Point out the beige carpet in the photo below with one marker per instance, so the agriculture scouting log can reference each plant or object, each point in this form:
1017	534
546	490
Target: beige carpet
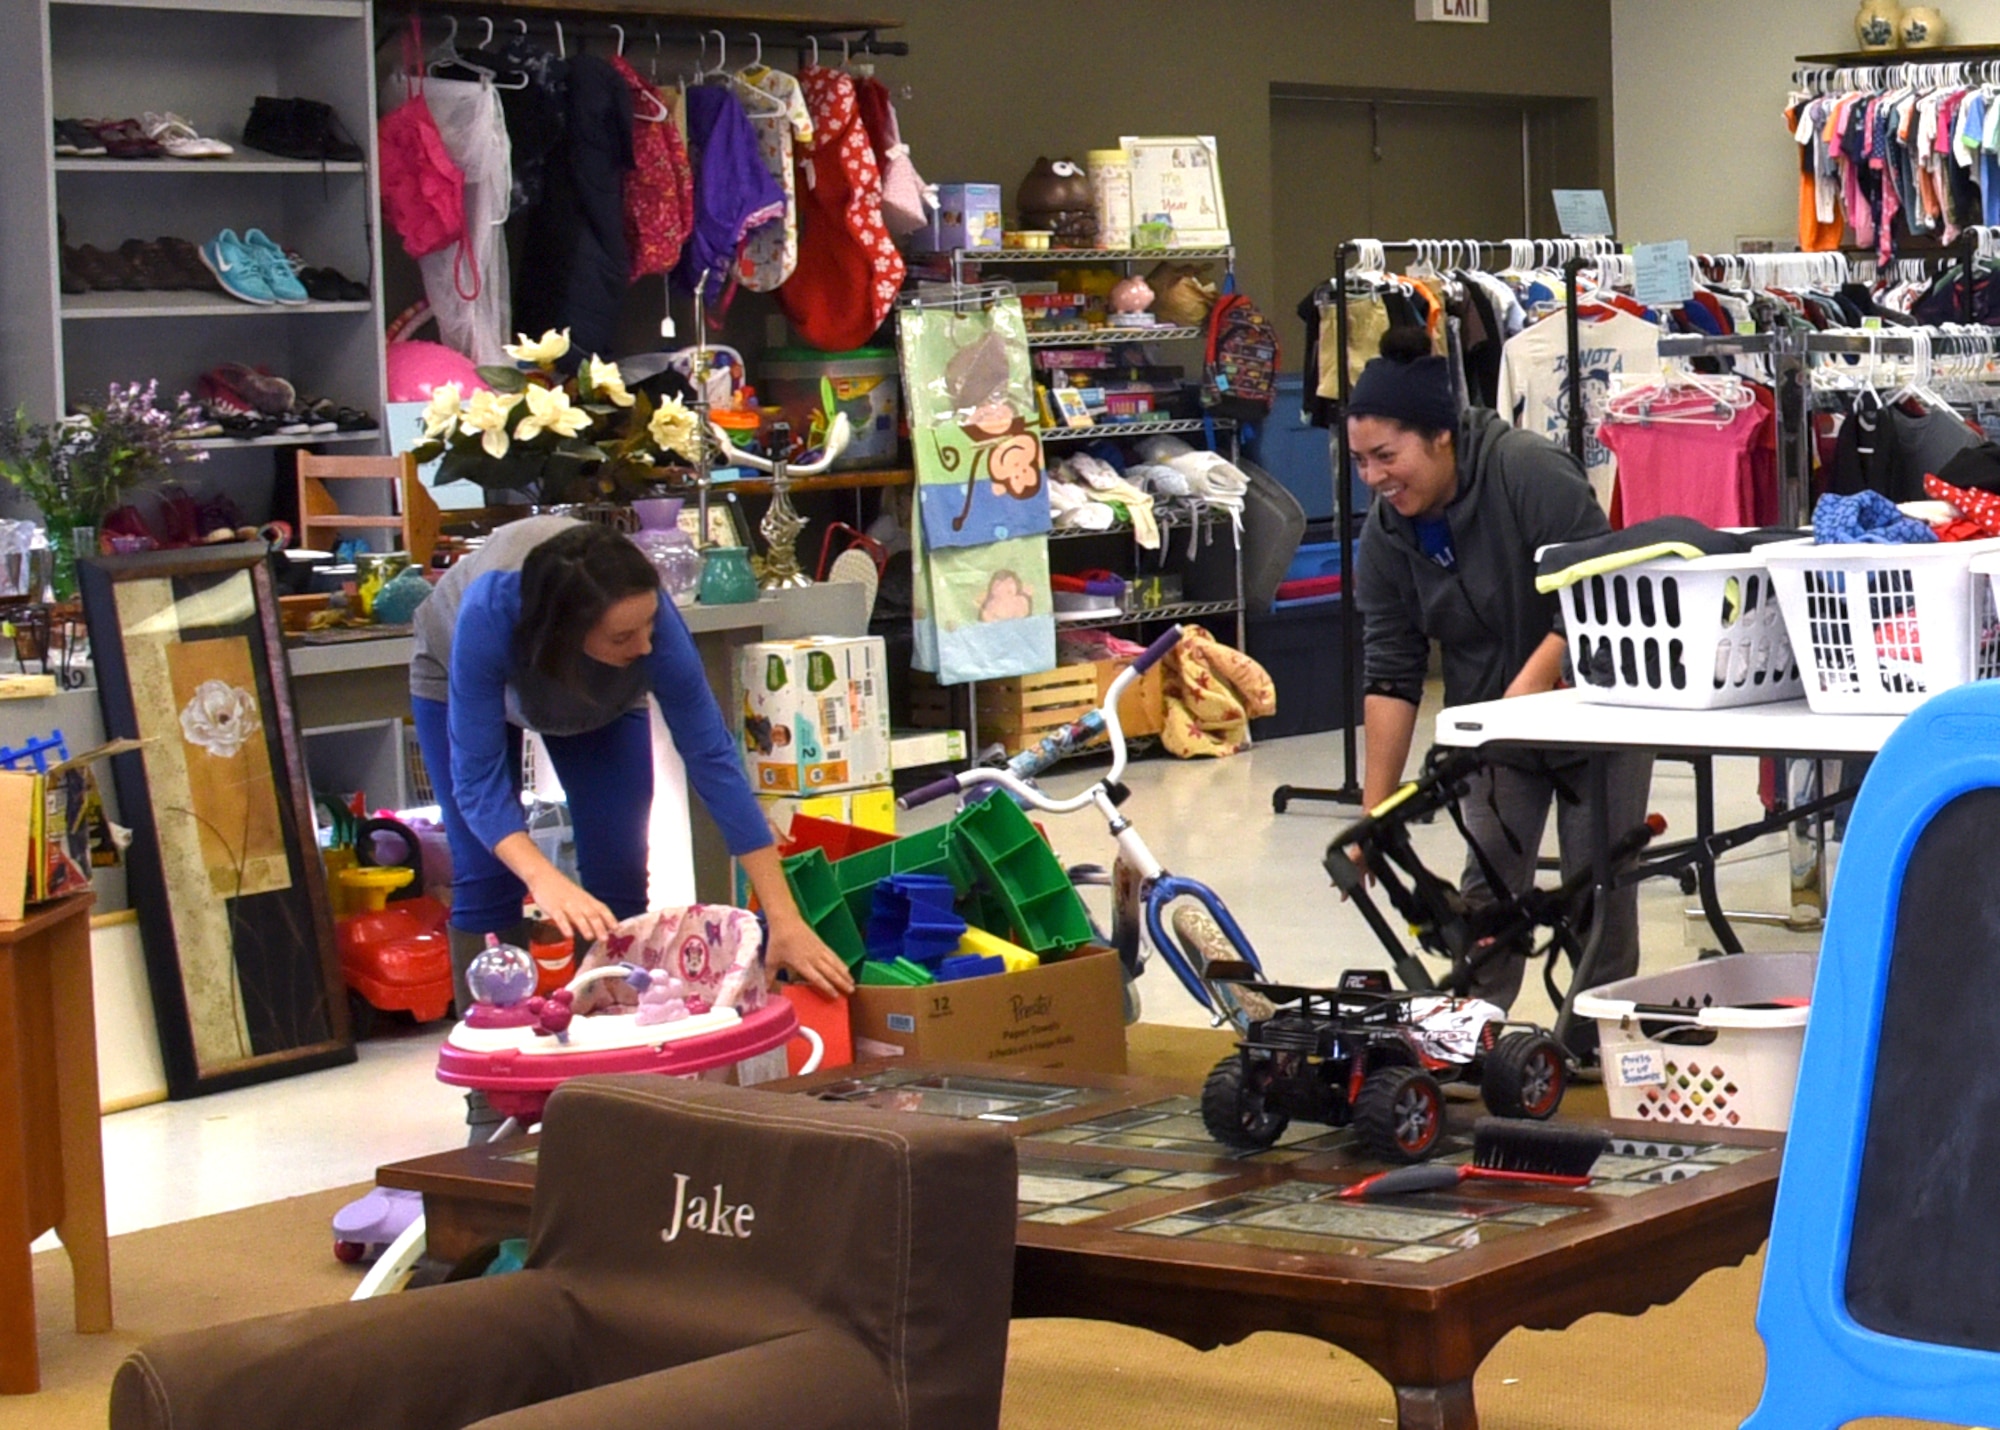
1694	1365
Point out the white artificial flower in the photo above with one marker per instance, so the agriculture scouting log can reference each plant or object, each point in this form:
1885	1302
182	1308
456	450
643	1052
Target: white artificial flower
550	410
673	429
546	351
442	414
608	382
220	718
487	414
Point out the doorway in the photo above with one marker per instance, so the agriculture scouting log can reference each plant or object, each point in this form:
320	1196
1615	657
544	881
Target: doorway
1349	165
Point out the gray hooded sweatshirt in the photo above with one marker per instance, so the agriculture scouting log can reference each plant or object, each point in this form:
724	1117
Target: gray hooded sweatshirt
1517	492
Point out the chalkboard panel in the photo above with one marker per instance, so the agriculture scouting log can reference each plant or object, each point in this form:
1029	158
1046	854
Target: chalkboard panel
1924	1261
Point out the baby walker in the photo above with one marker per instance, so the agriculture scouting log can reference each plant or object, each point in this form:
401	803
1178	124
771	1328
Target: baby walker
698	1004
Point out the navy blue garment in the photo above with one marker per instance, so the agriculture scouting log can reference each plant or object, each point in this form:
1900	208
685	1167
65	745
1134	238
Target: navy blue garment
607	777
575	266
1434	539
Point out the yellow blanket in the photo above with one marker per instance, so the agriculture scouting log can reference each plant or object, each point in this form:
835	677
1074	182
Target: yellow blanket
1213	693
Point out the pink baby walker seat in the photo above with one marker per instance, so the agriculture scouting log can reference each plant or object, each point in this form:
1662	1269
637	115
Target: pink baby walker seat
699	976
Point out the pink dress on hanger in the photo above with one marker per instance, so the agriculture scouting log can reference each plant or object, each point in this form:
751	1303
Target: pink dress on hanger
840	138
659	189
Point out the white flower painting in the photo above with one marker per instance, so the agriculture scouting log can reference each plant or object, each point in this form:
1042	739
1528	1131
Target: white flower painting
220	718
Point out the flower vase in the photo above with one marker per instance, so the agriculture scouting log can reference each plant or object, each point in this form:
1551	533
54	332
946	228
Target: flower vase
726	577
669	548
67	546
1875	24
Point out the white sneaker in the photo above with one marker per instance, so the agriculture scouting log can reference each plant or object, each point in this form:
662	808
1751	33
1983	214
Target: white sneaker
178	137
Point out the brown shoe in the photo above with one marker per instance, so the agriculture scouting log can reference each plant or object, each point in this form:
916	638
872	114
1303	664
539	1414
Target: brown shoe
149	268
100	270
185	260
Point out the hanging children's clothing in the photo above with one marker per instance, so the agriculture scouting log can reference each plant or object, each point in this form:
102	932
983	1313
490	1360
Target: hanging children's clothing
733	192
470	294
772	251
1682	458
848	273
1534	390
575	261
659	192
905	200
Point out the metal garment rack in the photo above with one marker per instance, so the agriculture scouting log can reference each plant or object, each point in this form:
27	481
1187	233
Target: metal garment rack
1349	792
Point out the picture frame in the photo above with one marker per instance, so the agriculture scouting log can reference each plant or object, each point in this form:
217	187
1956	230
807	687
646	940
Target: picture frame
726	523
223	870
1178	176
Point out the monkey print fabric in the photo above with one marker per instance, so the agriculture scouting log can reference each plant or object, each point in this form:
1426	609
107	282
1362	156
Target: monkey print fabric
982	605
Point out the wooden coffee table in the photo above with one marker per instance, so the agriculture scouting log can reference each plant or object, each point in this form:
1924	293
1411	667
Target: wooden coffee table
1130	1214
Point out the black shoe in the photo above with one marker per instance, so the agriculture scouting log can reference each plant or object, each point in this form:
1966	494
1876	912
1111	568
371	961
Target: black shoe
299	129
330	285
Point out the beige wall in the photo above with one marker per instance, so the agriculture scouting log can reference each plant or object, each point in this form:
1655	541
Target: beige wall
995	84
1702	151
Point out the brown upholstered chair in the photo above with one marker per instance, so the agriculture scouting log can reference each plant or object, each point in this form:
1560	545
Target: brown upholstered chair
700	1256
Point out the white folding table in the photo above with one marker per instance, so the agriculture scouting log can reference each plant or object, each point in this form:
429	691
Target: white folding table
1564	720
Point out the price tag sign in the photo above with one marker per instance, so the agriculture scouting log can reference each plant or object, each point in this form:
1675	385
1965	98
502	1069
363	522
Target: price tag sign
1582	213
1661	277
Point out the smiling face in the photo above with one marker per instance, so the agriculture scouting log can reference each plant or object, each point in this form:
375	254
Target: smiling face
625	631
1416	475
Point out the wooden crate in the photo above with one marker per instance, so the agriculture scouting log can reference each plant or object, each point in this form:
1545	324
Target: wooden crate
1015	712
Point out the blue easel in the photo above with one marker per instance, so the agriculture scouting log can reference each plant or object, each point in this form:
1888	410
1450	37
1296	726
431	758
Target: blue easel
1825	1366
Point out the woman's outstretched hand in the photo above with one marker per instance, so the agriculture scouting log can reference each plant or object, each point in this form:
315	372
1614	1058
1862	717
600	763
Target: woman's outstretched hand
570	907
792	945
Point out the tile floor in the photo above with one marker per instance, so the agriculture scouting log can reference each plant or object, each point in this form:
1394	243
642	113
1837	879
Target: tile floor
1210	819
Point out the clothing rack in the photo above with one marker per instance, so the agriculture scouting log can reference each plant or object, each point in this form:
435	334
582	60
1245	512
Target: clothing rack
609	20
1574	255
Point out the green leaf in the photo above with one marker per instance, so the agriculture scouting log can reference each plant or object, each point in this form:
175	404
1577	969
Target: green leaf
503	379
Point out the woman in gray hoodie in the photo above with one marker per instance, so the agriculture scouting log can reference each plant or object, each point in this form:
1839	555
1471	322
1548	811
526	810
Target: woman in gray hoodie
1463	502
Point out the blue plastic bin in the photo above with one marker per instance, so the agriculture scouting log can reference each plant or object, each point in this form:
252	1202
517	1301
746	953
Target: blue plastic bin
1299	455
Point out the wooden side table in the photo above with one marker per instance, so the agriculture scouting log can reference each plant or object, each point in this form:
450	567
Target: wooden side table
51	1155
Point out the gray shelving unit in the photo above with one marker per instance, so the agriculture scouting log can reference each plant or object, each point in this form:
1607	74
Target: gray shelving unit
206	60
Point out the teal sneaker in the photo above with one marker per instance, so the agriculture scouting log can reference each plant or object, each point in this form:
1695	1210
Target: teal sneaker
238	268
275	267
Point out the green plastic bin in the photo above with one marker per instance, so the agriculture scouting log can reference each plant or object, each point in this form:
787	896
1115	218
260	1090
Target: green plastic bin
817	893
1019	871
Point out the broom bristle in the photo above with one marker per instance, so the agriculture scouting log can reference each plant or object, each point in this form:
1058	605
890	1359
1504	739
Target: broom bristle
1509	1144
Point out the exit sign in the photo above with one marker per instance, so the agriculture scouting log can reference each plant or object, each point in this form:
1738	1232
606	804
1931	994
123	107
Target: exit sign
1461	12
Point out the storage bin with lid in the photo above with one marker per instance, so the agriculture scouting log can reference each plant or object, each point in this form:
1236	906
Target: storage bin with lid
810	386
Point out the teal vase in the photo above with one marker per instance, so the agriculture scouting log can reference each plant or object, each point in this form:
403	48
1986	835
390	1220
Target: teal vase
726	577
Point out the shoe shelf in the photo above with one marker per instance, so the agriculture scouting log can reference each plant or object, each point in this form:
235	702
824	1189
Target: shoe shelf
308	9
243	162
1083	255
1166	521
180	304
293	439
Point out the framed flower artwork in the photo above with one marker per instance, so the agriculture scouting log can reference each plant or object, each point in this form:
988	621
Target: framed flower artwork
224	871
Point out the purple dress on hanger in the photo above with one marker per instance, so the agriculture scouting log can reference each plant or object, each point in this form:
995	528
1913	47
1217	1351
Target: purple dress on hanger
733	192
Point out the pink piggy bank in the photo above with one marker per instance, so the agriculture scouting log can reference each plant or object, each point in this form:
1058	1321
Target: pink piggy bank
1131	295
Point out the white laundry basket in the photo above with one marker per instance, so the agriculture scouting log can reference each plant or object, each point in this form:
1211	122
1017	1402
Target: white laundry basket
1878	629
1716	1061
1985	631
1699	634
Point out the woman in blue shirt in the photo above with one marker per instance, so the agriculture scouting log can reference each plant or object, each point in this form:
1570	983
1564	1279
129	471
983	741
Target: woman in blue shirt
559	627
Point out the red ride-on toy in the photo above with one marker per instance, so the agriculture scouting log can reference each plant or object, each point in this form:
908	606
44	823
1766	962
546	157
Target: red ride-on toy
395	954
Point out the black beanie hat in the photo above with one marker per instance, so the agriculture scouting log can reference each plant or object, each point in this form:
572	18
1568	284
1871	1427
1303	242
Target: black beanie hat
1415	392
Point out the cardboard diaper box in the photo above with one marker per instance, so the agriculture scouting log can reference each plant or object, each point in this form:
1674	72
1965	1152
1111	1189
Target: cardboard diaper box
815	714
53	831
1069	1014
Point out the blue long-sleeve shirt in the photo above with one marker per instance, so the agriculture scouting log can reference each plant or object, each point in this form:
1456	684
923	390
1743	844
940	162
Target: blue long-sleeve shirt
478	712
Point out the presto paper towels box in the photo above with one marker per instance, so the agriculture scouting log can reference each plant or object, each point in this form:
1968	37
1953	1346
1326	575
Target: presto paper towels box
816	714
